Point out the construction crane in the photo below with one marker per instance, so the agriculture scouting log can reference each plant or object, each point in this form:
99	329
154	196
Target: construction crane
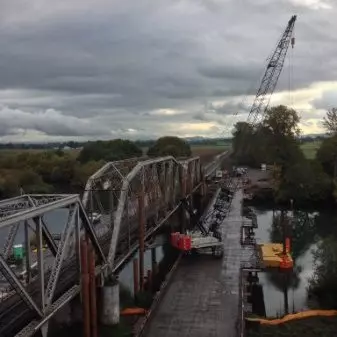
272	74
269	82
208	237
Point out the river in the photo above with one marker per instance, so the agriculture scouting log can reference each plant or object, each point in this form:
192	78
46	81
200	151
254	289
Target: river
307	232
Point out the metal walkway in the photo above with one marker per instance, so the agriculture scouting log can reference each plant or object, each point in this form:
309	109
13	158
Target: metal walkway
202	299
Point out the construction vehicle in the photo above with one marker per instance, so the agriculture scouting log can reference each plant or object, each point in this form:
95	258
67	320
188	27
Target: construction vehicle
204	237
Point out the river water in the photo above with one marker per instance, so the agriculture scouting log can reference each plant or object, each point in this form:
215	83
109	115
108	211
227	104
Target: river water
307	232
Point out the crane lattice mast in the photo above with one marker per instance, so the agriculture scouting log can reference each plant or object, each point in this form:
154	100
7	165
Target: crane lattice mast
272	74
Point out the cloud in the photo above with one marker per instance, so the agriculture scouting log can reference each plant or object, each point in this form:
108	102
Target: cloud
49	122
98	70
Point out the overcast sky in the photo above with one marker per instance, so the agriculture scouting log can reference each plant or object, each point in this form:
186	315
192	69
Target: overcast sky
84	69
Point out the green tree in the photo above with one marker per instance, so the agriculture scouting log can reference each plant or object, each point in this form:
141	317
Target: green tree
112	150
330	121
170	146
282	121
323	284
327	155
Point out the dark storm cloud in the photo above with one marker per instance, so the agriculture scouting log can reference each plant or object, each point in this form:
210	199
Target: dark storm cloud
103	68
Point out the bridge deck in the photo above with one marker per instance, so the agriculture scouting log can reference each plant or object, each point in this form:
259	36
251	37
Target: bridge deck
203	297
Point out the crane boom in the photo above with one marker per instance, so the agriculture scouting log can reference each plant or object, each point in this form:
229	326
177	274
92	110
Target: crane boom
271	74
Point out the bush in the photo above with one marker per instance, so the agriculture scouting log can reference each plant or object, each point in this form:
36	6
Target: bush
170	146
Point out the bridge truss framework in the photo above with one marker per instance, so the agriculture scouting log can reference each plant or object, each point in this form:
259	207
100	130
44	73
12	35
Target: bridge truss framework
115	192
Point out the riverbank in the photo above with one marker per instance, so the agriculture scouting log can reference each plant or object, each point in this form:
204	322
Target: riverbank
308	327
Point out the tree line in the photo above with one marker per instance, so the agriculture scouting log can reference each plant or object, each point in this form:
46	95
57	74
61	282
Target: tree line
275	141
58	171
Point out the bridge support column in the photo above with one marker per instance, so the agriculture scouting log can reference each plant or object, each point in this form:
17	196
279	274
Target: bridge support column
110	303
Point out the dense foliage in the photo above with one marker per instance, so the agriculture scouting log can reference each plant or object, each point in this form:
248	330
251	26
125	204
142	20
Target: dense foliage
275	142
112	150
43	172
323	285
55	170
172	146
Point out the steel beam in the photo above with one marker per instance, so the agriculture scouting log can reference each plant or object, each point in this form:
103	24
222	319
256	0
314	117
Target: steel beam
40	260
10	240
45	232
60	256
91	233
38	211
28	253
122	201
11	201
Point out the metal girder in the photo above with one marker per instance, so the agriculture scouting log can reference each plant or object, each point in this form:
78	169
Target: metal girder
10	240
49	238
33	327
29	201
16	284
150	177
45	232
90	231
38	211
123	202
119	168
51	286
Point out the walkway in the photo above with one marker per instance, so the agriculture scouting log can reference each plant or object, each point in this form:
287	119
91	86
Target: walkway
203	297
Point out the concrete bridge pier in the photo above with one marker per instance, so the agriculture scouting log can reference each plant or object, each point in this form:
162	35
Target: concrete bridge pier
110	303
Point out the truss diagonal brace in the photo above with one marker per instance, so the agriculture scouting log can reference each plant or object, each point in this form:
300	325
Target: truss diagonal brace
60	255
16	284
45	232
92	235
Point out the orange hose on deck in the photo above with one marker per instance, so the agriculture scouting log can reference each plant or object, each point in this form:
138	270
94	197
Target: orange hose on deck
291	317
133	311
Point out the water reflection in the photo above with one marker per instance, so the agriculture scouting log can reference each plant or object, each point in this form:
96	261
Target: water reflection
288	293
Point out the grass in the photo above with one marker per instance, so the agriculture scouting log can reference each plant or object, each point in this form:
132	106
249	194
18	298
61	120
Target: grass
310	148
207	152
307	327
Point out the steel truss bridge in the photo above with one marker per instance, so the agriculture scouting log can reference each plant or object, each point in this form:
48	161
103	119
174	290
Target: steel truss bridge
114	191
